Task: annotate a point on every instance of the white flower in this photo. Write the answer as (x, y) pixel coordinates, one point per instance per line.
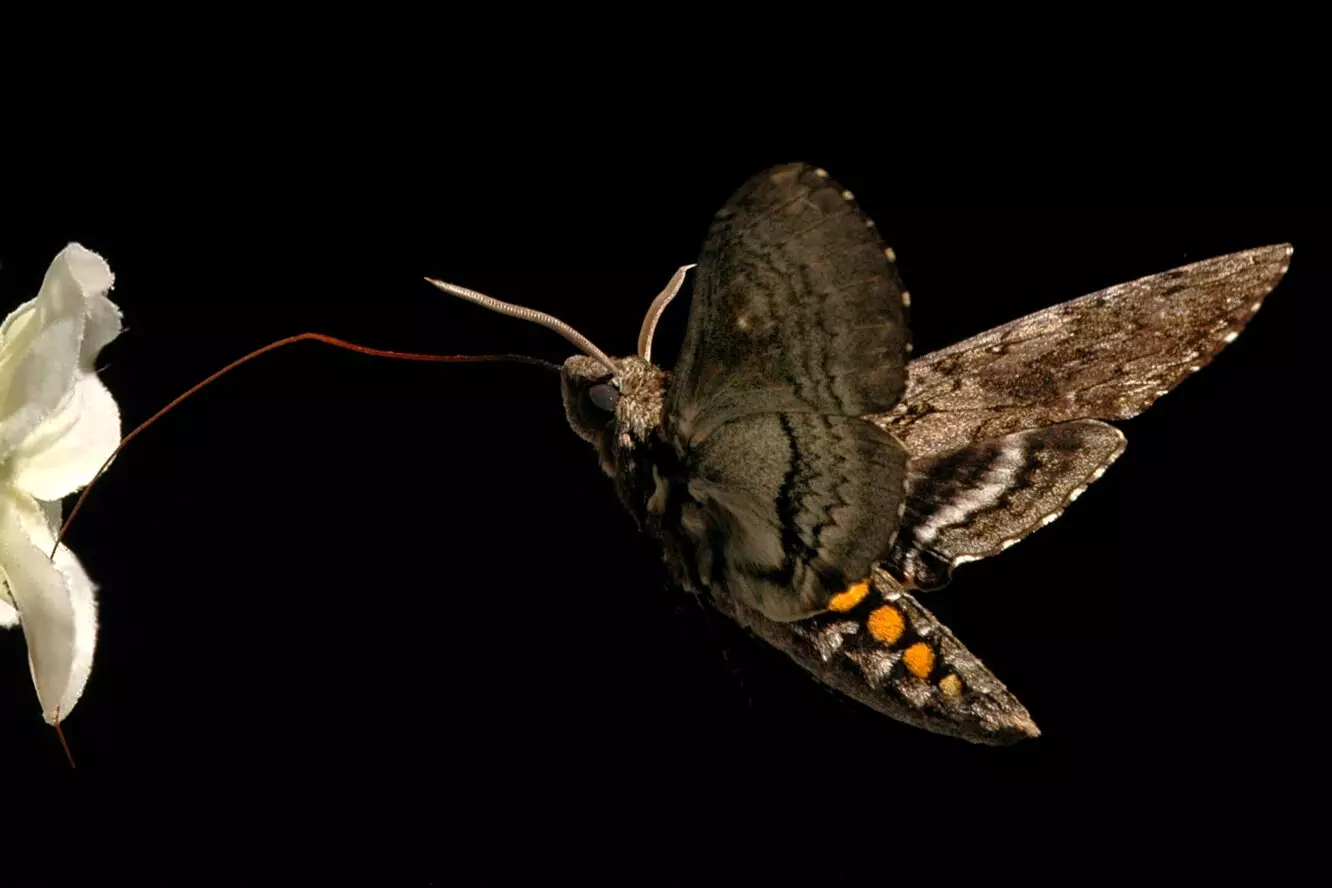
(58, 424)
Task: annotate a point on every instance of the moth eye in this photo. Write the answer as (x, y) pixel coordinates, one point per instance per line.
(604, 396)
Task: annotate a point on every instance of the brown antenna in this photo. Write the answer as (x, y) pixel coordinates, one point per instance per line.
(530, 314)
(655, 310)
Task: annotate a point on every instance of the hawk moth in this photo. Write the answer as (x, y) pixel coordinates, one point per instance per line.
(798, 470)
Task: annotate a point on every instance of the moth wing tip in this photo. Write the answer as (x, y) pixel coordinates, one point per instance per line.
(1278, 254)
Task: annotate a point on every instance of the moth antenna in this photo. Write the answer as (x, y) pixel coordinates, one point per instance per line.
(656, 309)
(301, 337)
(530, 314)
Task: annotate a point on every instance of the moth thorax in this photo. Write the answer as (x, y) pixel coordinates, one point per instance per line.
(642, 398)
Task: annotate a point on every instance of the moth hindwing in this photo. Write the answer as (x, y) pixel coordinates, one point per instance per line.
(801, 473)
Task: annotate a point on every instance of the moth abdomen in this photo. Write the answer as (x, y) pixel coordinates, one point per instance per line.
(886, 651)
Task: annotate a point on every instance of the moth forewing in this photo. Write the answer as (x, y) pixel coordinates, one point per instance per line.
(796, 331)
(1107, 355)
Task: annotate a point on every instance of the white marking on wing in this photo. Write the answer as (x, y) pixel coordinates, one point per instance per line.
(998, 478)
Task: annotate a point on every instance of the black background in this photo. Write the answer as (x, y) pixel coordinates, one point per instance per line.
(358, 610)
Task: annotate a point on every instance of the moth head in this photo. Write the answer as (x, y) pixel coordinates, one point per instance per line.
(612, 409)
(610, 402)
(591, 397)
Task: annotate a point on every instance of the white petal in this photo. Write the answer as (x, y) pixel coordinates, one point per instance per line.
(67, 448)
(103, 322)
(83, 598)
(47, 341)
(8, 616)
(56, 603)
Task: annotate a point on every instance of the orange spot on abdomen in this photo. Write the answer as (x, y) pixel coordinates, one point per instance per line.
(844, 601)
(919, 658)
(886, 624)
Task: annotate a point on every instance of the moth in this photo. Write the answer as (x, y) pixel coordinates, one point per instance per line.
(800, 472)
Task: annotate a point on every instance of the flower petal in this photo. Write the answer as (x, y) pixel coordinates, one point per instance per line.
(67, 448)
(103, 321)
(8, 615)
(53, 513)
(48, 340)
(56, 603)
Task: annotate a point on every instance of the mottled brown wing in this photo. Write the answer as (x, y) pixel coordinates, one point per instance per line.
(1107, 355)
(796, 309)
(785, 511)
(796, 331)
